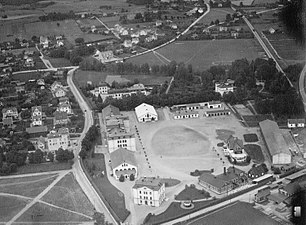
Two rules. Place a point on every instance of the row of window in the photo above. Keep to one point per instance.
(122, 141)
(145, 197)
(146, 202)
(145, 192)
(123, 145)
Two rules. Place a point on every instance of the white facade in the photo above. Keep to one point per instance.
(124, 169)
(214, 105)
(60, 92)
(151, 196)
(281, 158)
(179, 115)
(56, 140)
(224, 88)
(64, 107)
(123, 141)
(37, 116)
(146, 113)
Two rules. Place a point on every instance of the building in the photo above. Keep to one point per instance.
(36, 116)
(105, 57)
(185, 114)
(120, 138)
(123, 163)
(7, 121)
(146, 113)
(10, 112)
(224, 87)
(41, 143)
(234, 149)
(223, 183)
(59, 92)
(64, 107)
(214, 105)
(44, 41)
(220, 112)
(58, 139)
(64, 100)
(257, 171)
(275, 142)
(127, 43)
(149, 191)
(110, 111)
(55, 86)
(262, 195)
(60, 118)
(102, 89)
(191, 106)
(293, 123)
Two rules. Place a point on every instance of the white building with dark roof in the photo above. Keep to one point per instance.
(123, 163)
(224, 87)
(275, 142)
(36, 116)
(146, 113)
(293, 123)
(58, 139)
(120, 138)
(10, 112)
(149, 191)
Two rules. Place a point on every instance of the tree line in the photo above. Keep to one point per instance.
(89, 141)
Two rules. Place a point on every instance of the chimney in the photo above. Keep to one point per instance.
(224, 170)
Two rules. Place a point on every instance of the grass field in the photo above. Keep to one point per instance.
(203, 54)
(59, 62)
(68, 194)
(192, 193)
(239, 213)
(9, 207)
(45, 213)
(43, 167)
(255, 152)
(6, 181)
(216, 13)
(28, 189)
(250, 137)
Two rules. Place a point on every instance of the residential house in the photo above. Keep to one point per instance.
(143, 32)
(63, 100)
(150, 38)
(224, 87)
(234, 149)
(44, 41)
(41, 82)
(135, 34)
(60, 118)
(158, 23)
(110, 111)
(257, 171)
(64, 107)
(7, 121)
(135, 40)
(105, 57)
(149, 191)
(41, 143)
(127, 43)
(262, 195)
(102, 89)
(36, 116)
(123, 163)
(145, 113)
(120, 138)
(293, 123)
(55, 86)
(271, 30)
(223, 183)
(173, 26)
(58, 139)
(20, 87)
(59, 92)
(10, 112)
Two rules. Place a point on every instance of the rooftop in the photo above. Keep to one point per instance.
(122, 155)
(152, 183)
(37, 129)
(110, 110)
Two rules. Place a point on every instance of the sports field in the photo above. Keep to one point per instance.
(203, 54)
(239, 213)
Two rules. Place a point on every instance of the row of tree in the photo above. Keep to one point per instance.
(89, 141)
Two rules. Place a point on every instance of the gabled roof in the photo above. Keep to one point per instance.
(257, 170)
(152, 183)
(14, 109)
(291, 188)
(64, 104)
(263, 192)
(122, 155)
(143, 109)
(63, 99)
(296, 121)
(39, 108)
(110, 110)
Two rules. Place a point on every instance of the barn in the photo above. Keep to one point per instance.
(275, 142)
(146, 113)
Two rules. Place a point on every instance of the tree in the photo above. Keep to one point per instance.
(121, 178)
(132, 177)
(228, 17)
(36, 157)
(50, 156)
(217, 22)
(79, 41)
(138, 16)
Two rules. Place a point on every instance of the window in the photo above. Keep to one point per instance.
(139, 192)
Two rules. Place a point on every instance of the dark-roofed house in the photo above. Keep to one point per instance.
(110, 111)
(10, 112)
(234, 149)
(7, 121)
(262, 195)
(289, 189)
(257, 171)
(123, 162)
(275, 142)
(120, 138)
(149, 191)
(60, 118)
(225, 182)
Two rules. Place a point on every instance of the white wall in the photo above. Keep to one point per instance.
(114, 145)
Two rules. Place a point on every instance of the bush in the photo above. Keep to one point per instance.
(132, 177)
(121, 178)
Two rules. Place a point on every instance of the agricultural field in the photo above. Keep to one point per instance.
(255, 152)
(203, 54)
(216, 13)
(10, 206)
(243, 212)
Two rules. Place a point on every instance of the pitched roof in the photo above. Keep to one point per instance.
(263, 192)
(185, 112)
(37, 129)
(152, 183)
(291, 188)
(63, 99)
(296, 121)
(110, 110)
(258, 170)
(39, 108)
(143, 109)
(118, 132)
(122, 155)
(234, 143)
(273, 137)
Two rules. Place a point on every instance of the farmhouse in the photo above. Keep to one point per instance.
(220, 112)
(59, 139)
(123, 162)
(293, 123)
(41, 143)
(223, 183)
(146, 113)
(120, 138)
(105, 57)
(10, 112)
(275, 142)
(149, 191)
(37, 116)
(235, 150)
(184, 114)
(224, 87)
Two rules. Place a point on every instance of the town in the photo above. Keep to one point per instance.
(151, 112)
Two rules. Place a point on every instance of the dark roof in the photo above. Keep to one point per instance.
(274, 138)
(263, 192)
(152, 183)
(291, 188)
(60, 115)
(218, 111)
(110, 110)
(122, 155)
(14, 109)
(258, 170)
(296, 121)
(39, 129)
(234, 143)
(185, 112)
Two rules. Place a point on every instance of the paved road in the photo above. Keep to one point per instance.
(77, 169)
(302, 85)
(45, 61)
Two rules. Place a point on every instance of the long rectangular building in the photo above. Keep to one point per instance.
(275, 142)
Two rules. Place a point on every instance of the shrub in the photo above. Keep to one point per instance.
(132, 177)
(121, 178)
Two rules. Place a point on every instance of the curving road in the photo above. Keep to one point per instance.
(302, 85)
(77, 169)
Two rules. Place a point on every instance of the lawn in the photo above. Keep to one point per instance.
(10, 206)
(6, 181)
(59, 62)
(192, 193)
(239, 213)
(26, 76)
(253, 120)
(114, 197)
(43, 167)
(205, 53)
(169, 182)
(68, 194)
(255, 152)
(250, 137)
(44, 213)
(29, 189)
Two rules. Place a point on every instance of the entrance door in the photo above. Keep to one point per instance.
(146, 202)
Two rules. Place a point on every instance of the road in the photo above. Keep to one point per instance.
(77, 169)
(115, 34)
(302, 85)
(45, 61)
(174, 39)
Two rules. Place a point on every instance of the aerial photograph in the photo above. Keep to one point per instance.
(152, 112)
